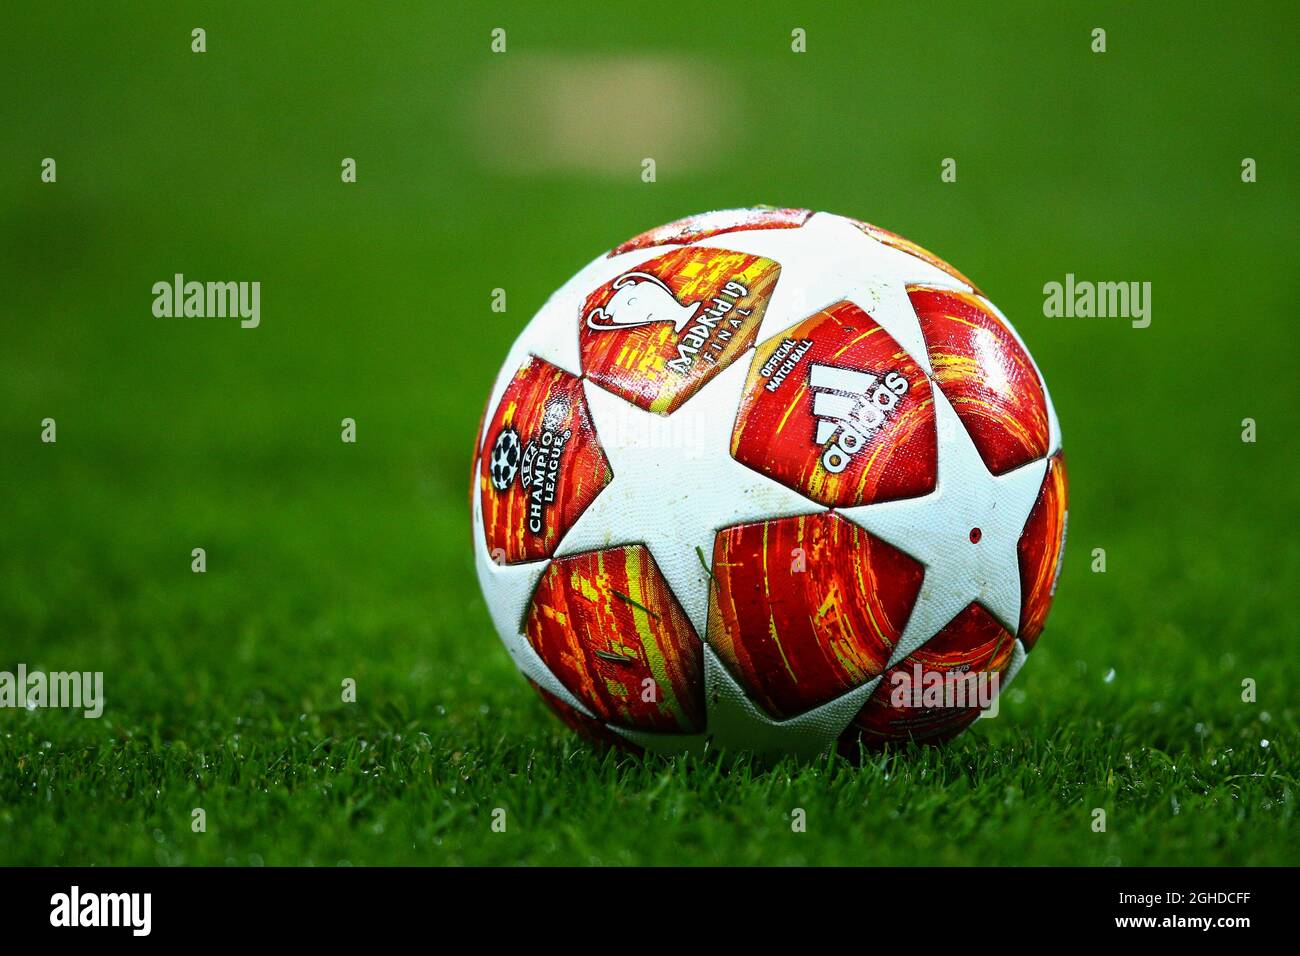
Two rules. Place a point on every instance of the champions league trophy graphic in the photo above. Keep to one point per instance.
(640, 299)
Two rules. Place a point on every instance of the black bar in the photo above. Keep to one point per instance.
(919, 906)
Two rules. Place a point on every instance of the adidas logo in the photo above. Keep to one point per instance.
(851, 407)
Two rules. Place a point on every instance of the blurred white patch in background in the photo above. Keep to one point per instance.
(547, 113)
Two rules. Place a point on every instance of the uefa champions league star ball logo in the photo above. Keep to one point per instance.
(536, 463)
(505, 459)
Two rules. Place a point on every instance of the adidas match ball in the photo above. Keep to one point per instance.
(773, 481)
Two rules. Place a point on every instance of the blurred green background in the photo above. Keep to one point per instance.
(478, 170)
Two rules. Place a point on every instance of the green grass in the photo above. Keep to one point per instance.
(329, 561)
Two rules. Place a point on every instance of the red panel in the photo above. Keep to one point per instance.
(1041, 546)
(805, 609)
(986, 375)
(836, 409)
(474, 464)
(542, 464)
(709, 224)
(611, 631)
(895, 241)
(659, 331)
(586, 727)
(970, 643)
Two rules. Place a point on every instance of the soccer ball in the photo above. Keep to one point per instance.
(769, 480)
